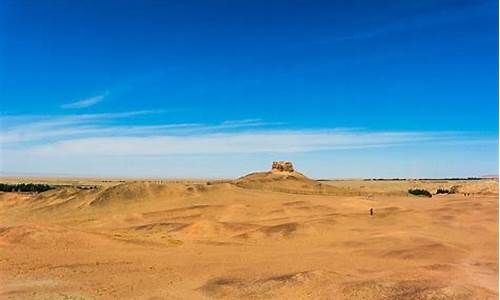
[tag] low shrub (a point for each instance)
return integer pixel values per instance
(24, 187)
(420, 192)
(442, 191)
(454, 189)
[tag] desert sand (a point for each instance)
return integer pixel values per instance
(270, 235)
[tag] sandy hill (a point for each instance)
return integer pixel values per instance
(293, 182)
(267, 235)
(284, 178)
(133, 192)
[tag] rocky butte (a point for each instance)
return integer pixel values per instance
(284, 178)
(282, 166)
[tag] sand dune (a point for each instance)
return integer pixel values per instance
(293, 182)
(262, 236)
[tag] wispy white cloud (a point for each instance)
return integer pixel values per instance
(107, 134)
(280, 141)
(84, 102)
(421, 20)
(33, 128)
(99, 144)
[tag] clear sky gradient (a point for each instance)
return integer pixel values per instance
(221, 88)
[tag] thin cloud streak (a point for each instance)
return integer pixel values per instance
(84, 103)
(239, 143)
(418, 22)
(18, 129)
(37, 129)
(100, 135)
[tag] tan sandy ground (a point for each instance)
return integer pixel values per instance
(250, 239)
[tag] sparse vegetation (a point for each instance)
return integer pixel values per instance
(25, 187)
(421, 179)
(442, 191)
(420, 192)
(385, 179)
(454, 189)
(86, 187)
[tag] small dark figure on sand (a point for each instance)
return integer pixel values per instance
(371, 211)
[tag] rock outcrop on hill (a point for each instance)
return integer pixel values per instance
(283, 178)
(282, 166)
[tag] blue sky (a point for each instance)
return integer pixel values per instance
(221, 88)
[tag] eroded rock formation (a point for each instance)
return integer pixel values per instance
(282, 166)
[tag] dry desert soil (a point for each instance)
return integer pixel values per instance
(262, 236)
